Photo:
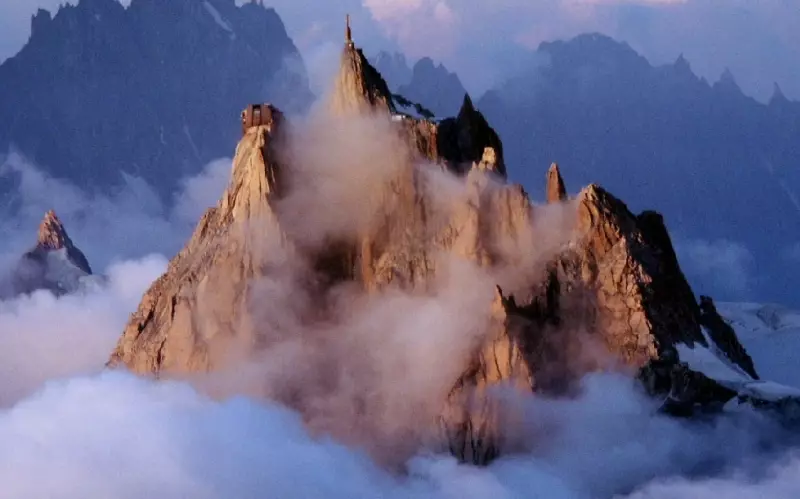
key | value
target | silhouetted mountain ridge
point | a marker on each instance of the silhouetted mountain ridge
(430, 84)
(662, 137)
(147, 90)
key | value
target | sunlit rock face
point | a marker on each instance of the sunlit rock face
(199, 306)
(53, 264)
(548, 292)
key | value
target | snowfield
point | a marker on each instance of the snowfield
(771, 335)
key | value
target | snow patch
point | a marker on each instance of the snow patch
(408, 109)
(771, 335)
(704, 360)
(759, 318)
(770, 391)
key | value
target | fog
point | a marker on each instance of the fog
(72, 430)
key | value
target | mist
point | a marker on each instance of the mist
(336, 408)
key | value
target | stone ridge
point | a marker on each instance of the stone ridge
(613, 284)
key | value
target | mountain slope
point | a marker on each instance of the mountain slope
(340, 249)
(147, 90)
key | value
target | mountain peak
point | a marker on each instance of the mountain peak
(394, 68)
(727, 82)
(52, 235)
(556, 190)
(434, 86)
(358, 87)
(54, 264)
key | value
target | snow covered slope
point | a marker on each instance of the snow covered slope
(771, 335)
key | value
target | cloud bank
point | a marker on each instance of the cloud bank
(71, 431)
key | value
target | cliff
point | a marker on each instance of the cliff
(384, 207)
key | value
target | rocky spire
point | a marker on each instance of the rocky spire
(197, 312)
(358, 87)
(556, 190)
(468, 139)
(52, 235)
(54, 264)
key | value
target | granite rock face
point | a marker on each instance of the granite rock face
(193, 313)
(595, 286)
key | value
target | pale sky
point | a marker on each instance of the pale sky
(759, 40)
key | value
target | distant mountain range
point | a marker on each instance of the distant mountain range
(723, 168)
(430, 84)
(148, 90)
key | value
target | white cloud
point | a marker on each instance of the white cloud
(116, 436)
(725, 265)
(69, 432)
(43, 338)
(131, 222)
(422, 27)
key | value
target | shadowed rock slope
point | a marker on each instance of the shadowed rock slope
(580, 284)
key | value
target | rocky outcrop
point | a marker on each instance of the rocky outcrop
(463, 139)
(603, 287)
(54, 264)
(196, 314)
(359, 88)
(556, 190)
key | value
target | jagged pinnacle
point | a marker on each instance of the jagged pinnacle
(348, 33)
(52, 235)
(359, 87)
(556, 190)
(467, 107)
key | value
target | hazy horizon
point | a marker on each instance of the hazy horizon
(481, 42)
